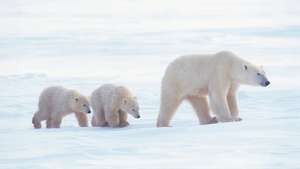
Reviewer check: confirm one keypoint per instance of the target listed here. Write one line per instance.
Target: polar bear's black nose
(267, 83)
(138, 116)
(89, 111)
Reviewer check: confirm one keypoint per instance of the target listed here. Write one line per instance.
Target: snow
(83, 44)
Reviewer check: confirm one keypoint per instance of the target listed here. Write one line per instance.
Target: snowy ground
(83, 44)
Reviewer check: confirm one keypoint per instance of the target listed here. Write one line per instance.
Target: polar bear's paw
(237, 119)
(213, 120)
(124, 124)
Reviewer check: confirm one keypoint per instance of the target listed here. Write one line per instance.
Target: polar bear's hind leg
(168, 106)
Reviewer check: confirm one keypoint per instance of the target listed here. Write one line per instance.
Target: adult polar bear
(194, 77)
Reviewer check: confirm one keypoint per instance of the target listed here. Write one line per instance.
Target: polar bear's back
(105, 90)
(197, 62)
(191, 71)
(53, 96)
(186, 69)
(108, 95)
(103, 95)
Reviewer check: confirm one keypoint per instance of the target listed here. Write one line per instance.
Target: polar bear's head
(131, 106)
(247, 73)
(80, 104)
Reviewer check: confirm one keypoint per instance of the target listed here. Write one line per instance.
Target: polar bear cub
(56, 102)
(111, 103)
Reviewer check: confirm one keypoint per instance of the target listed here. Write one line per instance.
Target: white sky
(42, 36)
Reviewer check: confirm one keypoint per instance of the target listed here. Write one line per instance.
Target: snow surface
(83, 44)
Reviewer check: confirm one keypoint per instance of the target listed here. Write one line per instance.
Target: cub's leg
(94, 121)
(54, 121)
(82, 119)
(98, 119)
(123, 118)
(48, 122)
(36, 121)
(38, 117)
(112, 118)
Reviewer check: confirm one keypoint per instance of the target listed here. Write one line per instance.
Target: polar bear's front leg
(200, 105)
(112, 119)
(233, 102)
(123, 118)
(82, 119)
(220, 107)
(233, 106)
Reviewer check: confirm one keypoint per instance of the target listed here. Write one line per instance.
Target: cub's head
(131, 106)
(80, 104)
(252, 75)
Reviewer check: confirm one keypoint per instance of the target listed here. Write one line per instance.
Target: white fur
(111, 104)
(56, 102)
(218, 76)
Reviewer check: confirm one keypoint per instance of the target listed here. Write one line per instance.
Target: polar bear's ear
(261, 67)
(245, 67)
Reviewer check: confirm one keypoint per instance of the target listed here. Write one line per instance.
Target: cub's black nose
(267, 83)
(138, 116)
(89, 111)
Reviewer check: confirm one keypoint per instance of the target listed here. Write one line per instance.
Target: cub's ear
(124, 101)
(245, 67)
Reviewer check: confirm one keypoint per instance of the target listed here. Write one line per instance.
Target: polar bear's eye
(258, 74)
(245, 67)
(84, 105)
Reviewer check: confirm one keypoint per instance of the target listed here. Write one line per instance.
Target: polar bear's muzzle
(88, 110)
(267, 83)
(264, 81)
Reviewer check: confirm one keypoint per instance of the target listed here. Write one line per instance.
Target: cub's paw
(103, 124)
(237, 119)
(213, 120)
(37, 125)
